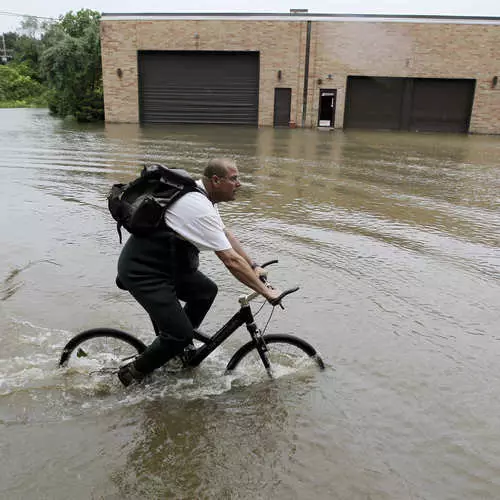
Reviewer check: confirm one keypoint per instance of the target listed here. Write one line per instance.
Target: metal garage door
(419, 104)
(373, 103)
(441, 105)
(199, 87)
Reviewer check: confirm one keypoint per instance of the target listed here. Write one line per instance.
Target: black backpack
(140, 205)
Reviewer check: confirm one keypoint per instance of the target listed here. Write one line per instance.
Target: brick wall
(339, 49)
(410, 50)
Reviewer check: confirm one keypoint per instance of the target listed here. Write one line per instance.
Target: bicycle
(94, 346)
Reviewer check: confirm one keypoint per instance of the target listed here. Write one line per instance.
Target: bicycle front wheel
(100, 350)
(286, 354)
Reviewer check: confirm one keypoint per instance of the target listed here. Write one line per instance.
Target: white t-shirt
(197, 219)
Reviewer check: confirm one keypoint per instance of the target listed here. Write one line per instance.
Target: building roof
(299, 15)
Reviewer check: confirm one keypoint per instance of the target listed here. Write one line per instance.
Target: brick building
(299, 69)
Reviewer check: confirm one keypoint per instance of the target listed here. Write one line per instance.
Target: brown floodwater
(394, 239)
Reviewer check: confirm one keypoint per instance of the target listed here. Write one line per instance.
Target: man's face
(226, 187)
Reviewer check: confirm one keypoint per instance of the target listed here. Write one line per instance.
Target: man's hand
(259, 271)
(272, 294)
(242, 271)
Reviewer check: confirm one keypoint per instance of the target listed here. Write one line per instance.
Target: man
(162, 269)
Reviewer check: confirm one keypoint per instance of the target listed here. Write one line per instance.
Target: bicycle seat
(119, 284)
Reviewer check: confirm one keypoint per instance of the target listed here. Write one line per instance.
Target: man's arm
(238, 248)
(241, 270)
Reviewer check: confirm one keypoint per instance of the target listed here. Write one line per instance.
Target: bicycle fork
(260, 345)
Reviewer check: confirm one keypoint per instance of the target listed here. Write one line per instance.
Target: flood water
(394, 239)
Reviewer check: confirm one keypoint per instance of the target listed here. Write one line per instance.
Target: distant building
(422, 73)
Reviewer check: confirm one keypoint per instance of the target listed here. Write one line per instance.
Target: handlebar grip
(277, 300)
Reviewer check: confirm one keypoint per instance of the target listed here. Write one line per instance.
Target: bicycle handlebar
(245, 299)
(269, 262)
(277, 300)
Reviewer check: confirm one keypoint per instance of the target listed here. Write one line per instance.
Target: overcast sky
(55, 8)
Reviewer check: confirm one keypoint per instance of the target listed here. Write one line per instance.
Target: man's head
(221, 179)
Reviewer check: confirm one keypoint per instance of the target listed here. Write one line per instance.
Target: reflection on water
(394, 239)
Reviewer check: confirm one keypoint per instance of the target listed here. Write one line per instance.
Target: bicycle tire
(303, 349)
(105, 333)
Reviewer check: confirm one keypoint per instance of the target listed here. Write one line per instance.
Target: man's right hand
(272, 295)
(242, 271)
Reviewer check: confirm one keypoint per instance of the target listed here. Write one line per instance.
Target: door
(374, 102)
(199, 87)
(282, 106)
(441, 105)
(417, 104)
(327, 102)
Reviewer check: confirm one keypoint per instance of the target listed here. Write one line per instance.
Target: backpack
(140, 205)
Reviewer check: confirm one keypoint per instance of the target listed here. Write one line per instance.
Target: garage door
(199, 87)
(441, 105)
(417, 104)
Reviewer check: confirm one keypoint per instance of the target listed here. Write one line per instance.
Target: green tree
(76, 24)
(24, 50)
(16, 84)
(32, 27)
(71, 65)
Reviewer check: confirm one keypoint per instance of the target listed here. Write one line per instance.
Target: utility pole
(4, 55)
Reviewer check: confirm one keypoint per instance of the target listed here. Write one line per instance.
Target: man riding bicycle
(161, 269)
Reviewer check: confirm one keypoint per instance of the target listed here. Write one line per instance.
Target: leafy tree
(76, 24)
(71, 65)
(24, 49)
(32, 27)
(16, 83)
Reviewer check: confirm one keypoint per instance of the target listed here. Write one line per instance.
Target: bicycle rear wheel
(100, 350)
(286, 354)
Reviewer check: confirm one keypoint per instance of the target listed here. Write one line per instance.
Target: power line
(5, 13)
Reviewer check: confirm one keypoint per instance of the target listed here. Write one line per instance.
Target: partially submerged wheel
(101, 350)
(286, 354)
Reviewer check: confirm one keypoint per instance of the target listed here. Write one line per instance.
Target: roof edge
(301, 16)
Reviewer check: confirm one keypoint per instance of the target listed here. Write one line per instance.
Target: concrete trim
(226, 16)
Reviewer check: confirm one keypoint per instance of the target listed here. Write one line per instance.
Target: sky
(55, 8)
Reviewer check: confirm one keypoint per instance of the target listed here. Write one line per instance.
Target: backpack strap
(119, 230)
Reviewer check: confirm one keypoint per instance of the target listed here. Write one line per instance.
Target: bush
(91, 107)
(16, 85)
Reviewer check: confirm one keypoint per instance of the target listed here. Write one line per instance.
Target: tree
(16, 83)
(32, 27)
(71, 65)
(24, 50)
(76, 24)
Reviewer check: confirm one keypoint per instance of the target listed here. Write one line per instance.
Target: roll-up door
(441, 105)
(418, 104)
(199, 87)
(373, 103)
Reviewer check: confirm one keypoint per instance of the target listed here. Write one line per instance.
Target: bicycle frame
(242, 317)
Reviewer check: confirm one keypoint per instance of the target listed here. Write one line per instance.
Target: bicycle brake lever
(275, 303)
(278, 300)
